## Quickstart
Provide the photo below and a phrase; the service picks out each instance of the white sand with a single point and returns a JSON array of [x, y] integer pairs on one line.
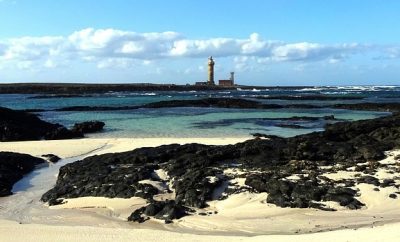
[[12, 231], [103, 219]]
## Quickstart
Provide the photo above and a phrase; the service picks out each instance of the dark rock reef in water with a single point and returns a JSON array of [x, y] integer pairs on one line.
[[311, 97], [206, 102], [303, 122], [13, 166], [384, 107], [232, 103], [196, 171], [212, 102], [19, 126], [88, 127], [58, 96]]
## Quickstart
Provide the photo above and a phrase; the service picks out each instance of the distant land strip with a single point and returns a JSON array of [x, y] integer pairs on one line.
[[77, 88]]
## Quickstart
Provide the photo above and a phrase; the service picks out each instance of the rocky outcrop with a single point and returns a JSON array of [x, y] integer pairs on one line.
[[20, 125], [13, 166], [290, 122], [311, 97], [52, 96], [230, 103], [88, 127], [384, 107], [51, 158], [196, 171], [212, 102], [164, 210]]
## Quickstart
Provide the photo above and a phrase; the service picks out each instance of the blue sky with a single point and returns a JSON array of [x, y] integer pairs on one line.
[[284, 42]]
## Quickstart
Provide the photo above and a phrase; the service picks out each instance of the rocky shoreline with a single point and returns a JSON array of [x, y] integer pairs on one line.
[[21, 126], [291, 170]]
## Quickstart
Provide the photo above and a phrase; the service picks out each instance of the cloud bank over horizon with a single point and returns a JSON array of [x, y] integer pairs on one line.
[[119, 49]]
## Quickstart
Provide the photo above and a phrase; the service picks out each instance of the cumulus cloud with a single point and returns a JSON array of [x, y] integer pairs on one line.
[[113, 47]]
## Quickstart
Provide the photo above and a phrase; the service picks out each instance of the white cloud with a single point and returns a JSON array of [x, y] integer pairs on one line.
[[112, 47]]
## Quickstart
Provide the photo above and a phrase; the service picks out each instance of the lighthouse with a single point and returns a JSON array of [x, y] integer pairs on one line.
[[210, 71]]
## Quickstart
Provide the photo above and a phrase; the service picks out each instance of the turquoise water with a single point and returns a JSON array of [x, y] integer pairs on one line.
[[203, 122], [173, 123]]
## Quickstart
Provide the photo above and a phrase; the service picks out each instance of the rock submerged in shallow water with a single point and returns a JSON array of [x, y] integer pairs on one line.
[[13, 166], [88, 127]]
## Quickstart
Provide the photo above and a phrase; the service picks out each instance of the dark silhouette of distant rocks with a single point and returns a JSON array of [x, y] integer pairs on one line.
[[88, 127], [384, 107], [311, 97], [237, 103]]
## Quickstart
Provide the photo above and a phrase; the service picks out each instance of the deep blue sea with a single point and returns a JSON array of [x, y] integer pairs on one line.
[[205, 122]]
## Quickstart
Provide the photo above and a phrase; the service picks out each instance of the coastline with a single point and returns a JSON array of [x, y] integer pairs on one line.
[[235, 215]]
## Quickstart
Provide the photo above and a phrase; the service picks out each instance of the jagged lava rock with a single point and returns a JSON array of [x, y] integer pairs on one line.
[[13, 166]]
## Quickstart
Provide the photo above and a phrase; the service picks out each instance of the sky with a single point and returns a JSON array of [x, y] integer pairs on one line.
[[265, 42]]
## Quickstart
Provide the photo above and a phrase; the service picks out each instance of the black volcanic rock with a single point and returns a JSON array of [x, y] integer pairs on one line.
[[62, 133], [20, 125], [88, 127], [51, 96], [85, 89], [212, 102], [164, 210], [51, 157], [196, 171], [311, 97], [230, 103], [291, 126], [384, 107], [95, 108], [13, 166]]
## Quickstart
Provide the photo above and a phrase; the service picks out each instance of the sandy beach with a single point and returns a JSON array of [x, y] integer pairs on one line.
[[241, 217]]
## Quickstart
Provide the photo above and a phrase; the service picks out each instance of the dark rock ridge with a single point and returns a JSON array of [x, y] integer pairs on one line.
[[311, 97], [94, 108], [196, 171], [58, 96], [232, 103], [207, 102], [20, 125], [212, 102], [13, 166], [304, 122], [384, 107]]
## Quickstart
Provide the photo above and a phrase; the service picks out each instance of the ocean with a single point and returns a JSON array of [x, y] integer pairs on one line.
[[209, 122]]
